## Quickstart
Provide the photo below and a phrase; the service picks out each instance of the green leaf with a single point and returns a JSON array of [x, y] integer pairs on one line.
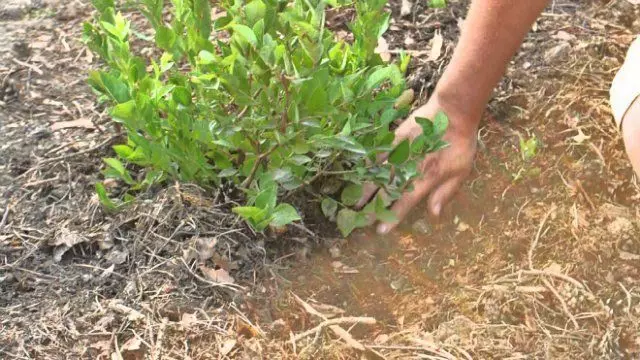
[[255, 10], [401, 153], [124, 151], [109, 84], [103, 5], [165, 37], [346, 221], [267, 198], [284, 214], [124, 112], [104, 198], [382, 74], [246, 33], [329, 207], [351, 194], [382, 213], [440, 123], [250, 212], [205, 57], [182, 96], [300, 159], [437, 4], [119, 168]]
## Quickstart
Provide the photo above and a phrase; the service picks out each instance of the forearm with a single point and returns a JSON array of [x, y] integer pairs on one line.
[[492, 33]]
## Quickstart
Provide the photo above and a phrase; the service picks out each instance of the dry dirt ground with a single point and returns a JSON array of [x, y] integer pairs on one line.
[[538, 257]]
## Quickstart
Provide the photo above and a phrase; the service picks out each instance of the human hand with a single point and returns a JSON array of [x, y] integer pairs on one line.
[[442, 172]]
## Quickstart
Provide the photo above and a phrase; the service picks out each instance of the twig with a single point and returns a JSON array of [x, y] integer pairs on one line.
[[27, 65], [534, 243], [157, 347], [338, 321], [256, 165], [41, 182], [628, 297], [522, 289], [68, 156], [346, 337], [565, 308], [234, 287], [5, 216], [586, 196], [553, 274]]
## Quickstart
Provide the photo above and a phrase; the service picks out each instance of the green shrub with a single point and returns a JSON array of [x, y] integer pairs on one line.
[[265, 97]]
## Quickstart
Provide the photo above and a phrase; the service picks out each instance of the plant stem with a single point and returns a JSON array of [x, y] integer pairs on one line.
[[284, 120], [256, 165]]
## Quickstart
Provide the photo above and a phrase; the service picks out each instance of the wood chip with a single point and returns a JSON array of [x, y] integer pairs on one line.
[[78, 123], [383, 49], [405, 8], [436, 46]]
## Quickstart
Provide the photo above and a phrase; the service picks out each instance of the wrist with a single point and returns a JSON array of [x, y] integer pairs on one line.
[[464, 112]]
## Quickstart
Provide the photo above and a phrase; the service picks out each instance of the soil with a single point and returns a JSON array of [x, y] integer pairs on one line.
[[536, 257]]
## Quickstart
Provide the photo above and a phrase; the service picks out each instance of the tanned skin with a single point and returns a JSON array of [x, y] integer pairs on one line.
[[491, 35]]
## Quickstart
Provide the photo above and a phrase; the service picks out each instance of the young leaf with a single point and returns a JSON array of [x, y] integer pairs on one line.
[[104, 198], [284, 214], [119, 168], [351, 194], [401, 153], [250, 212], [437, 4], [440, 123]]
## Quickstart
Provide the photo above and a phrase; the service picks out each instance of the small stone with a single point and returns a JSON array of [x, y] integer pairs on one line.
[[526, 65], [422, 227], [563, 35], [462, 227], [557, 52], [622, 228], [409, 41], [334, 251], [40, 133]]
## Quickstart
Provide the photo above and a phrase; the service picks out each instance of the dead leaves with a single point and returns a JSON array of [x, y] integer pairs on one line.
[[436, 46], [64, 240], [220, 276]]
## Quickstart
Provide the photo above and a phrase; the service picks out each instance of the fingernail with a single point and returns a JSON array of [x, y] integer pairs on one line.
[[436, 209], [383, 229]]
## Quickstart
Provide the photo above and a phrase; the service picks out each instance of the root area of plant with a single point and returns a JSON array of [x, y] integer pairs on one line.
[[537, 257]]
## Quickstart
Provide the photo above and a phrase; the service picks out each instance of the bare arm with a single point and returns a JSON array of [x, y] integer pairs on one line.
[[492, 33]]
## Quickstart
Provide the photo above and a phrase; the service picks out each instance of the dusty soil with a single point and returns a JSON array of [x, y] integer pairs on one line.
[[536, 258]]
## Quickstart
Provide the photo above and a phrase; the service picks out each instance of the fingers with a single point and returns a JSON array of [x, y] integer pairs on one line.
[[410, 199], [443, 194], [368, 191]]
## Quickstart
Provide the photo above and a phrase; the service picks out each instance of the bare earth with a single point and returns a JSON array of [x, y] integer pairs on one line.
[[538, 257]]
